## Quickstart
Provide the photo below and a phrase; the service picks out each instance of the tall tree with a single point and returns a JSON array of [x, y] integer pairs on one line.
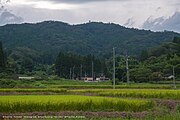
[[78, 65], [2, 57], [144, 55], [176, 40]]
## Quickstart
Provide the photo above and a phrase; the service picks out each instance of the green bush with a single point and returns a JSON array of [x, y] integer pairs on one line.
[[7, 83]]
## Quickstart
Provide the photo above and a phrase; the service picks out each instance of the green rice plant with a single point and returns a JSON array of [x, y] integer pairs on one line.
[[55, 103], [134, 93], [33, 90], [165, 94]]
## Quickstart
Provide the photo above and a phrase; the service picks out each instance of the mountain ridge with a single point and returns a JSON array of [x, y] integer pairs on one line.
[[95, 38]]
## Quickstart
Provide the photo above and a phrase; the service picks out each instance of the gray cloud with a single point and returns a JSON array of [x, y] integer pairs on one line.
[[159, 24], [79, 1], [76, 1], [131, 13], [3, 3], [150, 23], [9, 18], [130, 22]]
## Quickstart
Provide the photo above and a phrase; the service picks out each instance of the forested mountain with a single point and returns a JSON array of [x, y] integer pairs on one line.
[[50, 37]]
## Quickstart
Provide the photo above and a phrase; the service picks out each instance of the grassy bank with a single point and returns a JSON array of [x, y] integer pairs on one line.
[[76, 84]]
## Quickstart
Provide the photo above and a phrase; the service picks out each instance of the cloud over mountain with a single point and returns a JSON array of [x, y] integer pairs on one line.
[[130, 13], [159, 24], [9, 18], [130, 22]]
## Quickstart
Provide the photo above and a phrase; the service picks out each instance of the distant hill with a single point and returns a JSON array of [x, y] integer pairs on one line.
[[51, 37]]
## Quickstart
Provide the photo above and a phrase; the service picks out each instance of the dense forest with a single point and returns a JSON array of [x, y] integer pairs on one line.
[[43, 41], [2, 58], [155, 64]]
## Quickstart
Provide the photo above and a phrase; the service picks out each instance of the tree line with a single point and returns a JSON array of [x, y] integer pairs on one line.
[[69, 65], [155, 64]]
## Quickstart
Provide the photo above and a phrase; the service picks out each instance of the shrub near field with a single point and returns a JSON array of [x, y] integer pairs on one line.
[[55, 103]]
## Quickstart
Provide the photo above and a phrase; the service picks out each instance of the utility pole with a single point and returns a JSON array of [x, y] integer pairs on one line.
[[70, 74], [85, 74], [93, 70], [81, 72], [114, 68], [73, 73], [174, 81], [127, 68]]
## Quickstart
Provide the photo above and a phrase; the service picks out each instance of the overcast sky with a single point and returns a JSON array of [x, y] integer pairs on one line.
[[131, 13]]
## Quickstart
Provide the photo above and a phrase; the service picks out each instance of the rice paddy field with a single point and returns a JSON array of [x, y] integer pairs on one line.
[[56, 103], [91, 101]]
